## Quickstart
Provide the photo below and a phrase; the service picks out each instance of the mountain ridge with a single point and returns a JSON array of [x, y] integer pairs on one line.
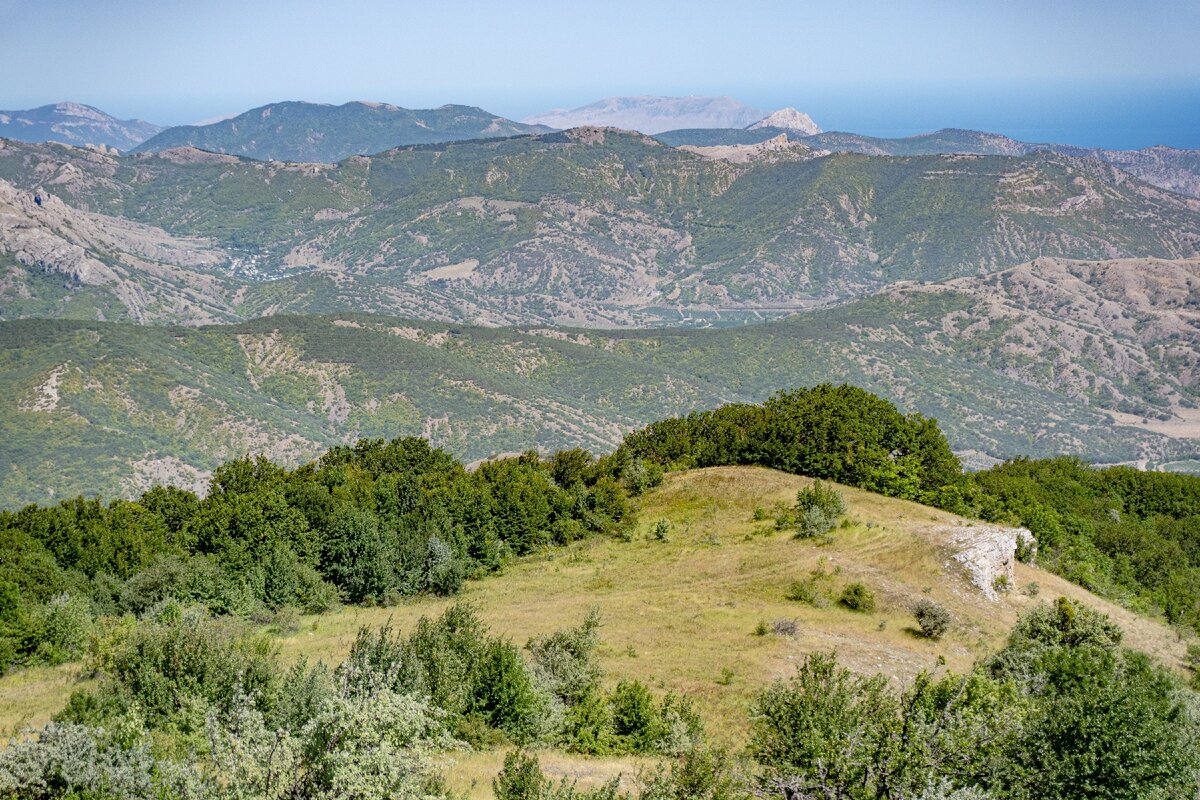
[[300, 131], [1166, 167], [75, 123], [1095, 358], [603, 228], [649, 113]]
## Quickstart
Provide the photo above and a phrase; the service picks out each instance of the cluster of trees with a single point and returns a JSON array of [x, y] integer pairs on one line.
[[840, 433], [192, 706], [363, 524]]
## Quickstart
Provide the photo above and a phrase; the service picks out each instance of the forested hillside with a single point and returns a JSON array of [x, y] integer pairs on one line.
[[597, 226], [1095, 359]]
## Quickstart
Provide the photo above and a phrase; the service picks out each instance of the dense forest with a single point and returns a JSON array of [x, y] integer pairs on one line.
[[365, 524], [170, 599]]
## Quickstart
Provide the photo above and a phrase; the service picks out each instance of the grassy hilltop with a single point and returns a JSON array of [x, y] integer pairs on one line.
[[679, 614]]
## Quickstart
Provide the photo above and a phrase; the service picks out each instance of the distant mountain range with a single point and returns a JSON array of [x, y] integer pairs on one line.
[[1035, 299], [297, 131], [315, 132], [1165, 167], [74, 123], [654, 114]]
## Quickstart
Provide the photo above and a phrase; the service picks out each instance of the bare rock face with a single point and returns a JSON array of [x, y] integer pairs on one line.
[[790, 120], [987, 553]]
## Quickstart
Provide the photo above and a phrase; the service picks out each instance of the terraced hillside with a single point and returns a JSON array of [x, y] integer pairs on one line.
[[597, 227], [1092, 358]]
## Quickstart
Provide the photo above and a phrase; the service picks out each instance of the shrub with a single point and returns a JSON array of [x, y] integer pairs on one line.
[[933, 619], [699, 774], [857, 597], [565, 661], [521, 778], [807, 591], [636, 722], [587, 725], [817, 510], [1065, 623], [506, 695], [444, 573], [176, 670], [61, 629], [72, 761]]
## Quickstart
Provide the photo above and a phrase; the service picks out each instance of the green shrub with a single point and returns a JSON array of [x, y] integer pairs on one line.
[[521, 778], [61, 629], [857, 597], [565, 661], [808, 591], [636, 722], [933, 619], [699, 774], [816, 512], [176, 670], [506, 695], [587, 724]]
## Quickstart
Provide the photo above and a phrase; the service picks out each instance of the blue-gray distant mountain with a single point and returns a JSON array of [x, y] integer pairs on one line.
[[1165, 167], [655, 114], [74, 123], [316, 132]]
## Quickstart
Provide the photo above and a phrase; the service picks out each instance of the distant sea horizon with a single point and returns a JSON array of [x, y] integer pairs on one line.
[[1127, 116]]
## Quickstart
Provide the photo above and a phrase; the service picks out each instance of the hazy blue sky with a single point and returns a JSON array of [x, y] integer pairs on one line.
[[1100, 71]]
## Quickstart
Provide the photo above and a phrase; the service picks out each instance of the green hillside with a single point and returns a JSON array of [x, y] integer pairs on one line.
[[297, 131], [1008, 366], [596, 227]]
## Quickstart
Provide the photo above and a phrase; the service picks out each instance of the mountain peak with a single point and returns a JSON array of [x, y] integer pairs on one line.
[[76, 124], [789, 119]]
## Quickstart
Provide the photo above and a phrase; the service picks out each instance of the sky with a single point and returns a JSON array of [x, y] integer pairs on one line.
[[1118, 73]]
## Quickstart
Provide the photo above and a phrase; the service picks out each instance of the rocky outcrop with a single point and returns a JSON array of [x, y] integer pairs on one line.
[[987, 553]]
